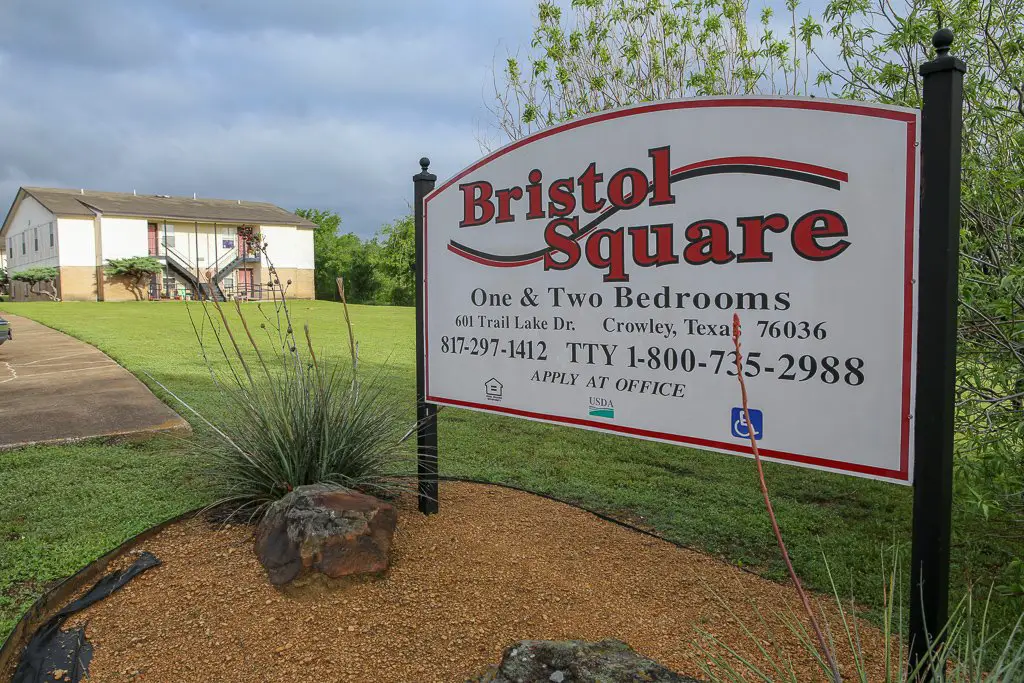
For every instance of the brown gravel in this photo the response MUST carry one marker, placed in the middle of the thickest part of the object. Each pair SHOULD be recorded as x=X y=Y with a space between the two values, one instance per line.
x=495 y=566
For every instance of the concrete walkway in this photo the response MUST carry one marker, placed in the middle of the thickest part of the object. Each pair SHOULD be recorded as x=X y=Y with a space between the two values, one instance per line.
x=54 y=389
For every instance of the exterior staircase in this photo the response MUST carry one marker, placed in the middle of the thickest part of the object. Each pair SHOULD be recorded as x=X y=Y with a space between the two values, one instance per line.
x=202 y=290
x=240 y=260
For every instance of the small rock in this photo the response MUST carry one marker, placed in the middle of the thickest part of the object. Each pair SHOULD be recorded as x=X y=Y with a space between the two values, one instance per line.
x=576 y=661
x=321 y=529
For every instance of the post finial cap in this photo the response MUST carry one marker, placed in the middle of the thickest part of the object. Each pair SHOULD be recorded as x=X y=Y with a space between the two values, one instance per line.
x=424 y=164
x=942 y=40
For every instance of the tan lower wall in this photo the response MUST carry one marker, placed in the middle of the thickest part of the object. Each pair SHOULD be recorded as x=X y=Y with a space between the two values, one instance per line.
x=77 y=283
x=302 y=282
x=116 y=289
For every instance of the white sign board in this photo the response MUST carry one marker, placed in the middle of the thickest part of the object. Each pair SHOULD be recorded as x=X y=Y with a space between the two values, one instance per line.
x=588 y=276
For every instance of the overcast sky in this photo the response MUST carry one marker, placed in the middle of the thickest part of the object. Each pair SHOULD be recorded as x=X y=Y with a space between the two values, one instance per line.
x=304 y=103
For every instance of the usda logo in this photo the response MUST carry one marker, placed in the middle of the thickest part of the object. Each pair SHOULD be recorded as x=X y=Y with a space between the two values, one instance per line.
x=601 y=407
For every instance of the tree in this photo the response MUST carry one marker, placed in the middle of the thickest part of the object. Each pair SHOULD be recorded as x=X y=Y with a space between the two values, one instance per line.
x=134 y=270
x=5 y=281
x=337 y=256
x=882 y=48
x=394 y=262
x=612 y=53
x=37 y=278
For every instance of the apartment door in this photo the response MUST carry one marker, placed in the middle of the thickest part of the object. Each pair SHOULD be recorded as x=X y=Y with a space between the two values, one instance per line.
x=245 y=282
x=153 y=240
x=244 y=248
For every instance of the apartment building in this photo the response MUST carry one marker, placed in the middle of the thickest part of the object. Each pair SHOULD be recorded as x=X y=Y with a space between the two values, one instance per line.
x=199 y=242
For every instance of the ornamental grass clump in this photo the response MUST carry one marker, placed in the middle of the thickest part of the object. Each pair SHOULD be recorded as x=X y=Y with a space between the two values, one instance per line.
x=291 y=416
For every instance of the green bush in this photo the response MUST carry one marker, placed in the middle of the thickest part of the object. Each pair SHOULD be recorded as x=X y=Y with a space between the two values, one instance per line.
x=291 y=418
x=36 y=278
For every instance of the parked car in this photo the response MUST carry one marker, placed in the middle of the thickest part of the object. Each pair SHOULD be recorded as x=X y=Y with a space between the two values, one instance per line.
x=5 y=331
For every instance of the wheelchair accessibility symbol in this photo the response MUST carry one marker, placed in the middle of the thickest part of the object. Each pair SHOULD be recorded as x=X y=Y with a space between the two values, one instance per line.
x=741 y=430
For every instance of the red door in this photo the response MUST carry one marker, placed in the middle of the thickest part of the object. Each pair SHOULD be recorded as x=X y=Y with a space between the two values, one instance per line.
x=153 y=248
x=245 y=281
x=244 y=249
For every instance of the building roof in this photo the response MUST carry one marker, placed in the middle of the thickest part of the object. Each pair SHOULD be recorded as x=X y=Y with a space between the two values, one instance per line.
x=63 y=202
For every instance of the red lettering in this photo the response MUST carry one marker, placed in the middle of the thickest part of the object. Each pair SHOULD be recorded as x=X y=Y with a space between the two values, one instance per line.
x=817 y=225
x=753 y=236
x=476 y=196
x=533 y=190
x=661 y=173
x=637 y=191
x=710 y=247
x=615 y=261
x=561 y=243
x=563 y=201
x=505 y=198
x=663 y=252
x=588 y=184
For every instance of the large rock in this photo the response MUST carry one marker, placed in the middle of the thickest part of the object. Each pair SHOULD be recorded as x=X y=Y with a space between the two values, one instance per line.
x=320 y=529
x=576 y=661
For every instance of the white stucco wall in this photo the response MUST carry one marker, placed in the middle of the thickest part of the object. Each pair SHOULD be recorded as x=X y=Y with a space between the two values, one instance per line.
x=30 y=225
x=123 y=237
x=289 y=246
x=203 y=242
x=76 y=239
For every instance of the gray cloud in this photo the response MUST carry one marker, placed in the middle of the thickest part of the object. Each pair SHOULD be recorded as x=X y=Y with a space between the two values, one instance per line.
x=309 y=103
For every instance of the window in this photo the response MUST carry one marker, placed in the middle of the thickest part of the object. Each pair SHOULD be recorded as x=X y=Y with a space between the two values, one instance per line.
x=35 y=239
x=51 y=234
x=168 y=238
x=23 y=244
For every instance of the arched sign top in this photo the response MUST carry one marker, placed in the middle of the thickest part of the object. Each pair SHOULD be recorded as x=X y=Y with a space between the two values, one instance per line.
x=587 y=275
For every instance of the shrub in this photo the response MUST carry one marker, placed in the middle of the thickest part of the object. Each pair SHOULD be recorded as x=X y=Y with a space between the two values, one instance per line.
x=37 y=278
x=293 y=418
x=134 y=270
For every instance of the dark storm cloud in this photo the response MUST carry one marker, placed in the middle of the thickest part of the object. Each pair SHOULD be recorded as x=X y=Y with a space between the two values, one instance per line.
x=313 y=103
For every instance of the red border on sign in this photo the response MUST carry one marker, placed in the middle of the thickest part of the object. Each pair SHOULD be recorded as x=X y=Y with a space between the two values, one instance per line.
x=910 y=118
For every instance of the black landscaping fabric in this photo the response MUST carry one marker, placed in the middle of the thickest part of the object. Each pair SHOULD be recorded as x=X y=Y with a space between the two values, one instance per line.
x=68 y=652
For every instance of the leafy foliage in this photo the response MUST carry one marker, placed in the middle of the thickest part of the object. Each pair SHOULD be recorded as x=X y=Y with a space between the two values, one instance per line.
x=394 y=262
x=378 y=270
x=882 y=47
x=612 y=53
x=35 y=275
x=134 y=269
x=335 y=256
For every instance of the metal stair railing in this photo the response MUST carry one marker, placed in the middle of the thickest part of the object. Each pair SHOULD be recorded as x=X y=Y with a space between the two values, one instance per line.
x=181 y=264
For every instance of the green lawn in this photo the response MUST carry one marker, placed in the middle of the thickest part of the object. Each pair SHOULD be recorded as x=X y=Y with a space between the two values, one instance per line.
x=62 y=506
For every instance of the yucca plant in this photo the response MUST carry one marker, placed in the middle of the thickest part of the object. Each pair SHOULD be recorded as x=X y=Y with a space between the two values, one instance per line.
x=291 y=417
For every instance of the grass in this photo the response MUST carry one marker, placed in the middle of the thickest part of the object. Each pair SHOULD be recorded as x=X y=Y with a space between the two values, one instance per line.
x=66 y=505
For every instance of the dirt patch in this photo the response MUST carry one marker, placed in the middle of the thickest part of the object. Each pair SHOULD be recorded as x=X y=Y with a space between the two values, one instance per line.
x=495 y=566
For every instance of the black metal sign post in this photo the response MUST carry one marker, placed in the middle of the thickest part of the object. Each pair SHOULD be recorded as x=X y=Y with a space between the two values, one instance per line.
x=426 y=413
x=939 y=248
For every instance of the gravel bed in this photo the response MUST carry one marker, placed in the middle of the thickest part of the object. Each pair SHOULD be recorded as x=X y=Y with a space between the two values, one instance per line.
x=495 y=566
